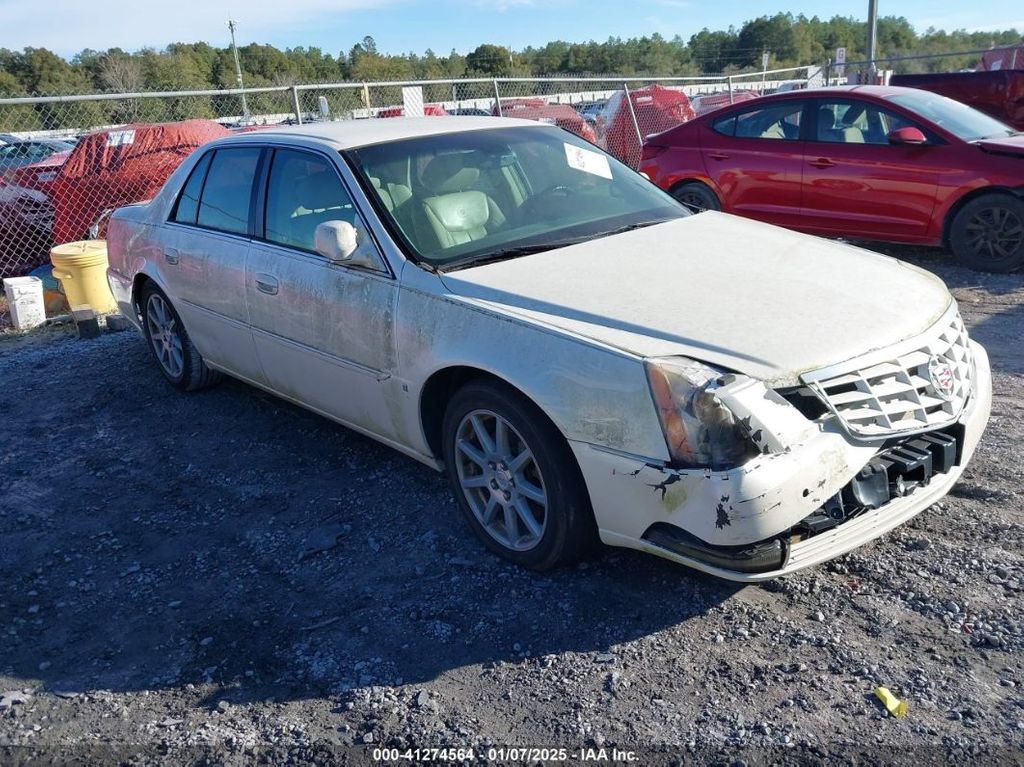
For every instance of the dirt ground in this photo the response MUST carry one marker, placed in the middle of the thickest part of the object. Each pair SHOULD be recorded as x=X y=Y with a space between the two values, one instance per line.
x=223 y=577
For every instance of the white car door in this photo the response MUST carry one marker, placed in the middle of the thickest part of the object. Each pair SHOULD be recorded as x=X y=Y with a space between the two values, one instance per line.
x=323 y=331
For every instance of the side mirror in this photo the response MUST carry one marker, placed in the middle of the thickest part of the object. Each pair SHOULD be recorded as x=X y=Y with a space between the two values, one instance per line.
x=339 y=242
x=908 y=135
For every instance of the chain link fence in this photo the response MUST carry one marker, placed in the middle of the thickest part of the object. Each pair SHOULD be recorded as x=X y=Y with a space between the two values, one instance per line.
x=67 y=161
x=879 y=70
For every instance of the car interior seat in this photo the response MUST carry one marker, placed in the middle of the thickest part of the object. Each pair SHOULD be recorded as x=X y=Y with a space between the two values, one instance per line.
x=827 y=125
x=454 y=212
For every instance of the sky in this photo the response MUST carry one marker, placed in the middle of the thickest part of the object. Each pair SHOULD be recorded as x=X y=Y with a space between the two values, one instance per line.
x=401 y=26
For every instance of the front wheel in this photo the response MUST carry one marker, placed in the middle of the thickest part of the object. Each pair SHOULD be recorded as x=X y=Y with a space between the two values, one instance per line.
x=697 y=197
x=988 y=233
x=515 y=478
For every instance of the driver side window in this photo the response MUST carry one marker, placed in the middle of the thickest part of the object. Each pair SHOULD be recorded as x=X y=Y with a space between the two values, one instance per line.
x=304 y=191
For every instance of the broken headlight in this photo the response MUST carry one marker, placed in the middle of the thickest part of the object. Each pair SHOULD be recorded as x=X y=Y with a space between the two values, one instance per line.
x=700 y=431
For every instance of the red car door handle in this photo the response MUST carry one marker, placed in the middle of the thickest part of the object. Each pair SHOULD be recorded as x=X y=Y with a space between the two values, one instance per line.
x=822 y=162
x=718 y=156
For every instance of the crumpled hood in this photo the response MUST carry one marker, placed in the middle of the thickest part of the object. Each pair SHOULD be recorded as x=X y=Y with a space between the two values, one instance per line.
x=732 y=292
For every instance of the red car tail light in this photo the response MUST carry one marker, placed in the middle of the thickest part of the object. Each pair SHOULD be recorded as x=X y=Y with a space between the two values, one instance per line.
x=650 y=151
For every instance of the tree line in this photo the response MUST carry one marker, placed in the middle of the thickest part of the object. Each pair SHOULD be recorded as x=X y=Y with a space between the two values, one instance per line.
x=789 y=40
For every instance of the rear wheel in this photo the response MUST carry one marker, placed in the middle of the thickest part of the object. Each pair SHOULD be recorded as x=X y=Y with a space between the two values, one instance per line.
x=697 y=196
x=988 y=233
x=515 y=478
x=168 y=341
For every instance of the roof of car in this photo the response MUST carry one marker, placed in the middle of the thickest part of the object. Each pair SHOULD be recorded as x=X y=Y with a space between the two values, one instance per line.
x=865 y=90
x=349 y=134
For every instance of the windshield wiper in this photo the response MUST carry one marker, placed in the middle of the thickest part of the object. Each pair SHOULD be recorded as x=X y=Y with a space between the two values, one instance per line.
x=499 y=255
x=528 y=250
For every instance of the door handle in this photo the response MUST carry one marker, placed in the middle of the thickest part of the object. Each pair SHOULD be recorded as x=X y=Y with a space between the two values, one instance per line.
x=267 y=283
x=171 y=256
x=718 y=156
x=823 y=162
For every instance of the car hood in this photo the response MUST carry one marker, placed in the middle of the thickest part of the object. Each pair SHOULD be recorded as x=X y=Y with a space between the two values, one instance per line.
x=1011 y=145
x=732 y=292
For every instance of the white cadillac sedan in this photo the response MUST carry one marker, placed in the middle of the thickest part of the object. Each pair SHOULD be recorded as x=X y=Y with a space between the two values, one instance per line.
x=583 y=358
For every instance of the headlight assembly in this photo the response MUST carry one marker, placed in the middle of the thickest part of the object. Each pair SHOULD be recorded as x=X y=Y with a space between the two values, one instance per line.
x=700 y=431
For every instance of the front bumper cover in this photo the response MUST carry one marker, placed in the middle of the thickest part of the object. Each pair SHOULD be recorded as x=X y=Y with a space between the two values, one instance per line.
x=738 y=510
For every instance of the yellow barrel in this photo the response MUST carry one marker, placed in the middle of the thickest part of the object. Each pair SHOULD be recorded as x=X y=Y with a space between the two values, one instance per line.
x=81 y=268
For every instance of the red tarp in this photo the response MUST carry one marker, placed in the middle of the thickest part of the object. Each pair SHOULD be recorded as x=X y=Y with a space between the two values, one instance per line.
x=656 y=108
x=120 y=166
x=1002 y=58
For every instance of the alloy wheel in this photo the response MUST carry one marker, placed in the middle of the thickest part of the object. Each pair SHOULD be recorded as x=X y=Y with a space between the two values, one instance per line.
x=995 y=233
x=164 y=336
x=501 y=480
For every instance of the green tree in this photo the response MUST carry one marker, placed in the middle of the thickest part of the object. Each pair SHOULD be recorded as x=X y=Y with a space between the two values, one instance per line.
x=489 y=61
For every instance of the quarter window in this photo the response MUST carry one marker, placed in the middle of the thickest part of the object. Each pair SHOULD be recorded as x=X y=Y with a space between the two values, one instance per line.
x=188 y=202
x=227 y=193
x=304 y=191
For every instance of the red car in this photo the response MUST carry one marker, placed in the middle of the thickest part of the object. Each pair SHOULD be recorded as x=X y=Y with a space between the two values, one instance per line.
x=562 y=115
x=865 y=162
x=429 y=110
x=709 y=102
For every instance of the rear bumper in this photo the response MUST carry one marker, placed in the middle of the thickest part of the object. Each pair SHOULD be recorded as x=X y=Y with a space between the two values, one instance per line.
x=751 y=505
x=121 y=289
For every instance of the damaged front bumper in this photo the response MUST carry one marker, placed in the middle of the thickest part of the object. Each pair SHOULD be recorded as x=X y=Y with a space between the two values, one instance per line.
x=770 y=516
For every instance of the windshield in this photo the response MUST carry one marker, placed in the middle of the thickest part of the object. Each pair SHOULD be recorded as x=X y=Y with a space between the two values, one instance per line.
x=459 y=199
x=962 y=121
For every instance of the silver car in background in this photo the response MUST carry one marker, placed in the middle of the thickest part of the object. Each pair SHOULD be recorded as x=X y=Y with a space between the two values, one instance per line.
x=583 y=358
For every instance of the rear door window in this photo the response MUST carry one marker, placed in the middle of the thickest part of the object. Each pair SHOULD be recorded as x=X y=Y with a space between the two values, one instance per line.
x=779 y=121
x=227 y=193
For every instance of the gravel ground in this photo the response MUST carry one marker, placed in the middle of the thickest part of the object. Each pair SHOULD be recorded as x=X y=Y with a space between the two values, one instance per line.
x=223 y=576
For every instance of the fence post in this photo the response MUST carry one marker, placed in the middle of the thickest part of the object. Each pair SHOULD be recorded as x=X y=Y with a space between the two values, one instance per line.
x=632 y=113
x=295 y=104
x=828 y=73
x=366 y=99
x=497 y=98
x=729 y=80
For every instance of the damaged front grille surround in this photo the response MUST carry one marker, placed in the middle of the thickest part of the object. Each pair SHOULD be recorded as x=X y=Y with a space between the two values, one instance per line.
x=924 y=388
x=897 y=470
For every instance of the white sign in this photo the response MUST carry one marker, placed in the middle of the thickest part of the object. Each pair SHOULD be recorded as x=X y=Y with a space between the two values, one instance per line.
x=120 y=137
x=764 y=60
x=594 y=163
x=840 y=61
x=412 y=101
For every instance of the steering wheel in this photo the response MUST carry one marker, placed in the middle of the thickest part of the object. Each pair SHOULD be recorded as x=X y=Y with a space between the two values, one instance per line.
x=531 y=206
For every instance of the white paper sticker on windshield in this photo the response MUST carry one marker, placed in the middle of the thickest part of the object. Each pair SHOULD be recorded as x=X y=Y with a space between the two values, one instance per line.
x=587 y=161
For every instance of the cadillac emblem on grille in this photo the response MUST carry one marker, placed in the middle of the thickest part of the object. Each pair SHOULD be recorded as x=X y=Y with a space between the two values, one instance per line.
x=941 y=375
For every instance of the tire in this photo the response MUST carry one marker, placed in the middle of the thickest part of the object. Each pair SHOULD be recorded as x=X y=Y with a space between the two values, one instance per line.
x=987 y=233
x=175 y=354
x=697 y=196
x=563 y=528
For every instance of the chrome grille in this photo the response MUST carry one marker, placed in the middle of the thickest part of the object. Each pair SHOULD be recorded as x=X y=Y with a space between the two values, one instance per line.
x=900 y=394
